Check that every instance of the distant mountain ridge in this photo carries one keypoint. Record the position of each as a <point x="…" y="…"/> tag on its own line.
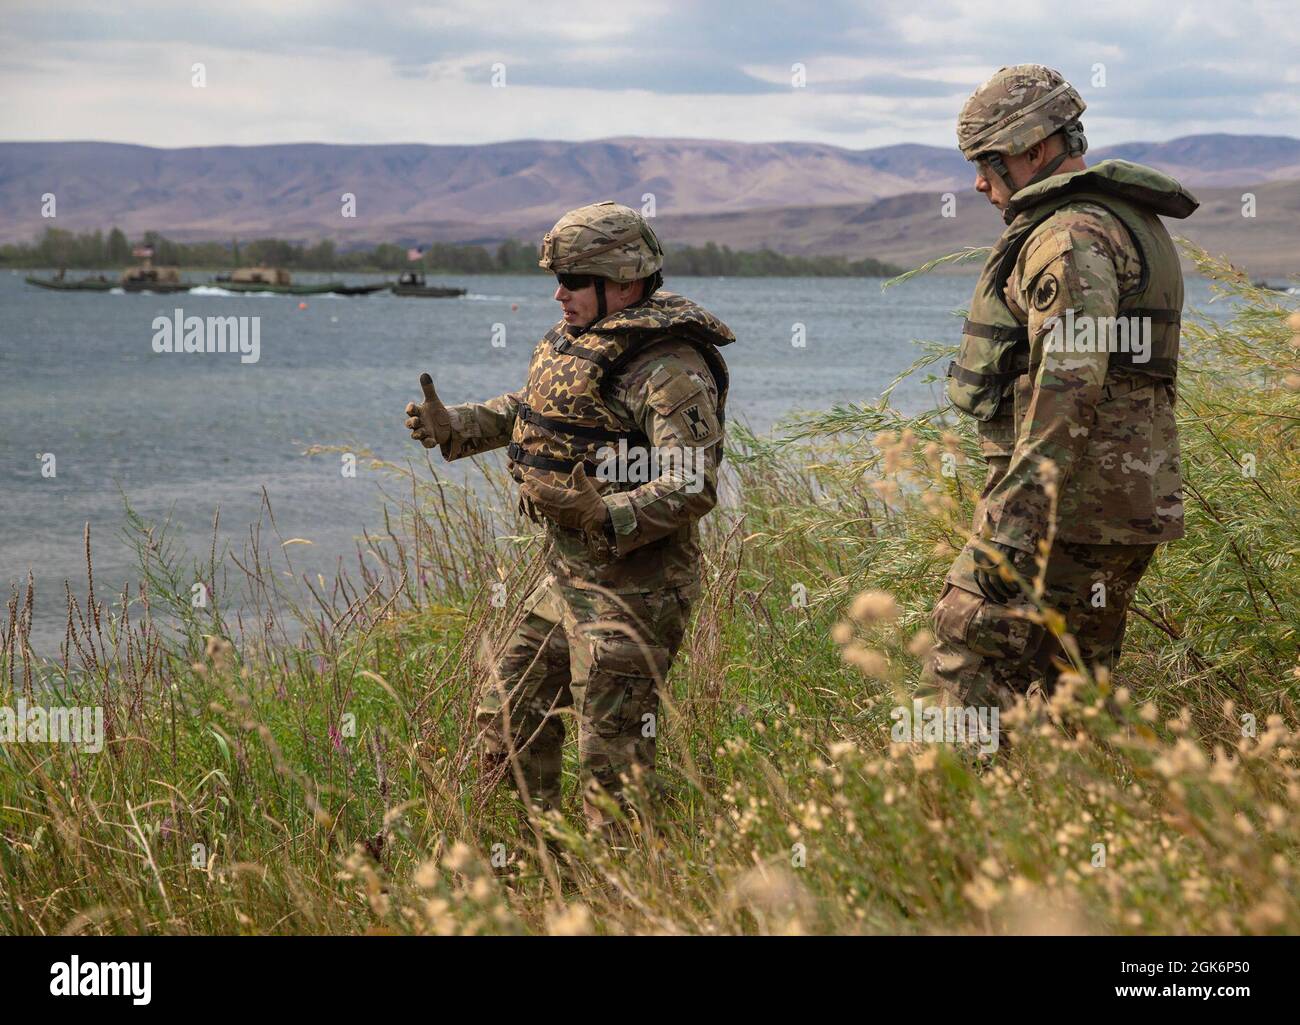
<point x="910" y="229"/>
<point x="509" y="189"/>
<point x="1208" y="161"/>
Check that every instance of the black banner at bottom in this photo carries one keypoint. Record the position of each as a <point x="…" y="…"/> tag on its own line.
<point x="303" y="974"/>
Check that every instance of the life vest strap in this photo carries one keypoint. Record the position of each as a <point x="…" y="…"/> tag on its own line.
<point x="527" y="414"/>
<point x="566" y="347"/>
<point x="997" y="332"/>
<point x="1157" y="315"/>
<point x="977" y="379"/>
<point x="516" y="454"/>
<point x="1124" y="361"/>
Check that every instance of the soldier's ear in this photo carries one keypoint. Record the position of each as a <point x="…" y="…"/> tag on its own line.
<point x="625" y="289"/>
<point x="1043" y="151"/>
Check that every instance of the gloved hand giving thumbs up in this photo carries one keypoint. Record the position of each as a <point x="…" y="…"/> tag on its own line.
<point x="429" y="422"/>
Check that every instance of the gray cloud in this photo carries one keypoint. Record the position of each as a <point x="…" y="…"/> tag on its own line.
<point x="671" y="74"/>
<point x="718" y="68"/>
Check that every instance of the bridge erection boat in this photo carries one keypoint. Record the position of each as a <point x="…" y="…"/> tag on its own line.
<point x="271" y="279"/>
<point x="60" y="284"/>
<point x="411" y="283"/>
<point x="142" y="278"/>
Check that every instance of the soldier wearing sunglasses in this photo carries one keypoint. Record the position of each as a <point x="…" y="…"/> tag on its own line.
<point x="629" y="368"/>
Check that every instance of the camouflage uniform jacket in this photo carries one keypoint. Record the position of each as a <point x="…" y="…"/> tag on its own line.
<point x="668" y="391"/>
<point x="1104" y="420"/>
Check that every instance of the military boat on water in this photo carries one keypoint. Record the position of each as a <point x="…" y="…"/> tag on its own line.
<point x="142" y="278"/>
<point x="271" y="279"/>
<point x="361" y="289"/>
<point x="59" y="284"/>
<point x="148" y="278"/>
<point x="411" y="283"/>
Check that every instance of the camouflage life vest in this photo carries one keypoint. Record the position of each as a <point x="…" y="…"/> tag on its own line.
<point x="995" y="343"/>
<point x="565" y="418"/>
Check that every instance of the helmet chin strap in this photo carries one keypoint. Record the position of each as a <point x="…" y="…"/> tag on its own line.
<point x="652" y="284"/>
<point x="1047" y="170"/>
<point x="999" y="167"/>
<point x="1076" y="145"/>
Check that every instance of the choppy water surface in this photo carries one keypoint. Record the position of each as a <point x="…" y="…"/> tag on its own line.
<point x="188" y="433"/>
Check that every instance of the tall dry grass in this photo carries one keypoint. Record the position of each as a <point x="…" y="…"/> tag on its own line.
<point x="305" y="763"/>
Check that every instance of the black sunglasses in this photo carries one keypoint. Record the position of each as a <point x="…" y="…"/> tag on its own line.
<point x="990" y="164"/>
<point x="575" y="282"/>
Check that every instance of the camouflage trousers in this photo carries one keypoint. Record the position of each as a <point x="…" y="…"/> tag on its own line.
<point x="986" y="654"/>
<point x="593" y="655"/>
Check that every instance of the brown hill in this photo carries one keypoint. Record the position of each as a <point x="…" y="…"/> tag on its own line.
<point x="456" y="191"/>
<point x="514" y="189"/>
<point x="908" y="230"/>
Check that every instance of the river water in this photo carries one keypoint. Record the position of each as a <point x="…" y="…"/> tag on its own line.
<point x="184" y="434"/>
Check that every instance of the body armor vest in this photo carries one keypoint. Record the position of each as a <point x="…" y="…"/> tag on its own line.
<point x="564" y="417"/>
<point x="995" y="346"/>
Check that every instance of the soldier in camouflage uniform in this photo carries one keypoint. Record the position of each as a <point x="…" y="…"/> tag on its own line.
<point x="1079" y="436"/>
<point x="633" y="370"/>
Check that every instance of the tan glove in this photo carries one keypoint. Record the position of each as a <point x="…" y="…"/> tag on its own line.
<point x="579" y="506"/>
<point x="429" y="422"/>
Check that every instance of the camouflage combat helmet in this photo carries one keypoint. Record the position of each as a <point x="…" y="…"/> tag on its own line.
<point x="605" y="239"/>
<point x="1015" y="110"/>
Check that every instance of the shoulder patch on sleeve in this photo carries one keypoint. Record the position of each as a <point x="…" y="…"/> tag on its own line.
<point x="1042" y="251"/>
<point x="1046" y="287"/>
<point x="660" y="377"/>
<point x="687" y="409"/>
<point x="673" y="392"/>
<point x="700" y="423"/>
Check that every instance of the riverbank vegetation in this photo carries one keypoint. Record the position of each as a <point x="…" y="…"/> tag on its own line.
<point x="261" y="779"/>
<point x="97" y="251"/>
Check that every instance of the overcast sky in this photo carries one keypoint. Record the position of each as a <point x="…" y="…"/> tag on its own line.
<point x="391" y="71"/>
